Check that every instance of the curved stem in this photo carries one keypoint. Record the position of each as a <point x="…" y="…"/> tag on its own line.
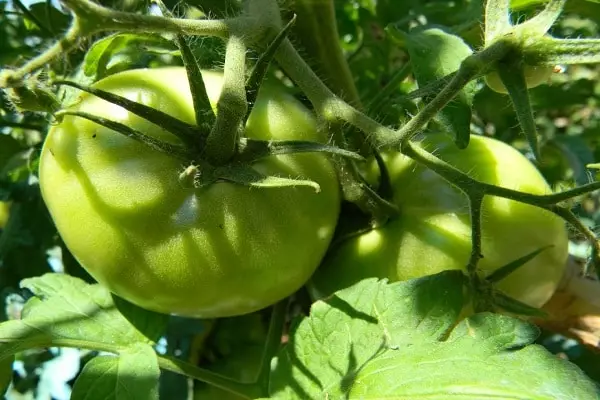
<point x="245" y="390"/>
<point x="273" y="342"/>
<point x="325" y="102"/>
<point x="381" y="96"/>
<point x="316" y="31"/>
<point x="68" y="42"/>
<point x="100" y="19"/>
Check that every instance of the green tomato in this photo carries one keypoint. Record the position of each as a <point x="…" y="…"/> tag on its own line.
<point x="433" y="231"/>
<point x="213" y="252"/>
<point x="534" y="76"/>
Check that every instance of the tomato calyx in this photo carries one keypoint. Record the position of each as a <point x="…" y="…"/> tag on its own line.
<point x="200" y="172"/>
<point x="191" y="135"/>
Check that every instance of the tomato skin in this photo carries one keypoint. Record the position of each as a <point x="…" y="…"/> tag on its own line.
<point x="433" y="231"/>
<point x="534" y="76"/>
<point x="219" y="251"/>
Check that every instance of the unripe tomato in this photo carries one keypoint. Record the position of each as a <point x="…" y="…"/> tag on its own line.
<point x="217" y="251"/>
<point x="534" y="76"/>
<point x="433" y="232"/>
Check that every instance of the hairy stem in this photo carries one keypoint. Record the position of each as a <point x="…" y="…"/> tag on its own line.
<point x="316" y="31"/>
<point x="245" y="390"/>
<point x="231" y="107"/>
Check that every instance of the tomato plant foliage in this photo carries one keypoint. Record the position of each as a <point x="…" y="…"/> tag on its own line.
<point x="252" y="199"/>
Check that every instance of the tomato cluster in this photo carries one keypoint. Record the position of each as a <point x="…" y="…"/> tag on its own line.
<point x="228" y="249"/>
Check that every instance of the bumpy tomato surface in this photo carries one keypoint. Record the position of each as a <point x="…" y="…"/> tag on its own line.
<point x="213" y="252"/>
<point x="433" y="232"/>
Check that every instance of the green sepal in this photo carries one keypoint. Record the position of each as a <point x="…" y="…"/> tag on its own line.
<point x="189" y="134"/>
<point x="512" y="266"/>
<point x="153" y="143"/>
<point x="205" y="116"/>
<point x="245" y="175"/>
<point x="514" y="306"/>
<point x="251" y="150"/>
<point x="542" y="22"/>
<point x="552" y="51"/>
<point x="32" y="97"/>
<point x="497" y="19"/>
<point x="513" y="78"/>
<point x="259" y="71"/>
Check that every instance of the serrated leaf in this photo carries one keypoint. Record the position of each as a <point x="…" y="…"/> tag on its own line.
<point x="388" y="341"/>
<point x="356" y="324"/>
<point x="435" y="54"/>
<point x="131" y="376"/>
<point x="69" y="312"/>
<point x="481" y="360"/>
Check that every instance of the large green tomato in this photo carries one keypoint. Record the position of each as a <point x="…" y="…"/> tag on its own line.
<point x="213" y="252"/>
<point x="433" y="232"/>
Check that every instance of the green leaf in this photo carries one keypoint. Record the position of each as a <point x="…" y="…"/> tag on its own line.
<point x="390" y="341"/>
<point x="356" y="324"/>
<point x="68" y="312"/>
<point x="434" y="54"/>
<point x="577" y="153"/>
<point x="100" y="54"/>
<point x="132" y="375"/>
<point x="46" y="19"/>
<point x="482" y="359"/>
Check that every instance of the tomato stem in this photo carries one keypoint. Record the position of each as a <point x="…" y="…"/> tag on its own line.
<point x="245" y="390"/>
<point x="317" y="34"/>
<point x="273" y="342"/>
<point x="222" y="141"/>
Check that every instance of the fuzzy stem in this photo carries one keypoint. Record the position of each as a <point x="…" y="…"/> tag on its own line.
<point x="325" y="102"/>
<point x="316" y="31"/>
<point x="231" y="107"/>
